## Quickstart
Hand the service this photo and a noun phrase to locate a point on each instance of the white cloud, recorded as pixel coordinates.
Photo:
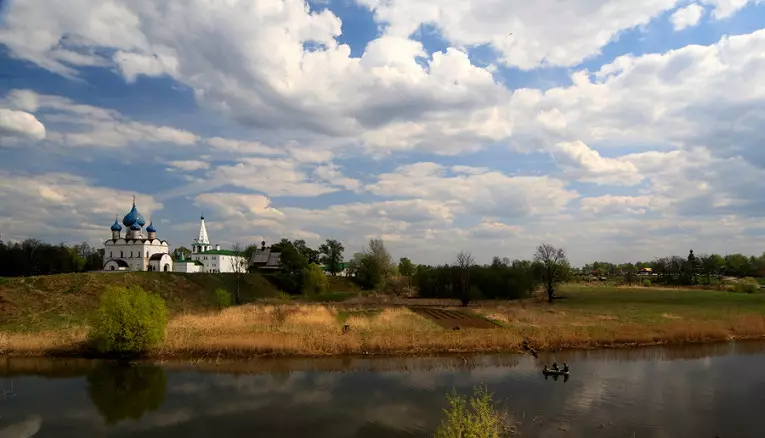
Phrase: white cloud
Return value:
(274, 177)
(610, 204)
(476, 192)
(97, 127)
(544, 32)
(58, 206)
(243, 147)
(726, 8)
(687, 17)
(586, 164)
(189, 165)
(20, 124)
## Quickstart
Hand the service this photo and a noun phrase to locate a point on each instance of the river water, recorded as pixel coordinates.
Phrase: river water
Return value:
(691, 391)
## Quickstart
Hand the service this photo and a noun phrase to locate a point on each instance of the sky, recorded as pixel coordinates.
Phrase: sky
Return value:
(615, 129)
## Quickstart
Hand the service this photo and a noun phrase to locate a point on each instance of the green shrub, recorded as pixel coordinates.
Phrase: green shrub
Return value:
(474, 418)
(314, 280)
(129, 320)
(646, 283)
(222, 298)
(746, 285)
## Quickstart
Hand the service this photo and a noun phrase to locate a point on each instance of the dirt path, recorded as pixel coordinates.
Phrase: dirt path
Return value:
(453, 319)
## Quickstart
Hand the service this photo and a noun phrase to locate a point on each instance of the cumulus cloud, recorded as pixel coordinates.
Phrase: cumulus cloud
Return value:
(20, 124)
(609, 204)
(680, 132)
(540, 34)
(476, 191)
(59, 206)
(687, 17)
(188, 165)
(586, 164)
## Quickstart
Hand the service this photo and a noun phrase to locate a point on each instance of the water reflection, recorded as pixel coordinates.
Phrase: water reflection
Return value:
(122, 391)
(653, 392)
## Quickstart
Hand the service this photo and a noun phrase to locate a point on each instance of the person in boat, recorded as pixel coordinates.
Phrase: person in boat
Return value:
(555, 366)
(565, 367)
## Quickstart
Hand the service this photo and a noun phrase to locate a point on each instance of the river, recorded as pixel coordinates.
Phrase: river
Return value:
(704, 390)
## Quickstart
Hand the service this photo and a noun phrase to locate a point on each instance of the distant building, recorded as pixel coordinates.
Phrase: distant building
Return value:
(645, 271)
(264, 259)
(206, 258)
(135, 251)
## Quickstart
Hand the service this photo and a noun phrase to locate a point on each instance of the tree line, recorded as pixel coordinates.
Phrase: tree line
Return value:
(502, 279)
(692, 269)
(34, 257)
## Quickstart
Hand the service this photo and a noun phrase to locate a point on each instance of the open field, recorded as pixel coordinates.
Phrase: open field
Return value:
(66, 300)
(585, 317)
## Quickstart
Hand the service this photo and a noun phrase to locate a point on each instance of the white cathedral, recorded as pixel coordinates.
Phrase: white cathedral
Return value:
(134, 251)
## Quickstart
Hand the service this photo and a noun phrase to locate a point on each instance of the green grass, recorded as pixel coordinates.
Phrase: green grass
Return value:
(644, 305)
(55, 301)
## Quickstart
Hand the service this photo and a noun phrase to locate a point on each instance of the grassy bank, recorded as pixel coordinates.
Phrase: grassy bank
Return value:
(585, 317)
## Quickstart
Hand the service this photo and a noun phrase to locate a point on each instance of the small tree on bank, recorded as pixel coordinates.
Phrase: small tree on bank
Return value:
(315, 282)
(554, 266)
(128, 321)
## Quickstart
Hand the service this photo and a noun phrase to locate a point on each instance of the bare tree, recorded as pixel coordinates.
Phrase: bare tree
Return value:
(239, 266)
(554, 265)
(464, 261)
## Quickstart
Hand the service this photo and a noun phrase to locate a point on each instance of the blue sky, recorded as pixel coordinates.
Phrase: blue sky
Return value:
(434, 129)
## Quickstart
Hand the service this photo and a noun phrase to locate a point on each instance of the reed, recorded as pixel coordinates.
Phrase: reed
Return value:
(597, 317)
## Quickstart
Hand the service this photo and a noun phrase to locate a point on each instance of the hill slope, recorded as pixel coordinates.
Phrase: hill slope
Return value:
(55, 300)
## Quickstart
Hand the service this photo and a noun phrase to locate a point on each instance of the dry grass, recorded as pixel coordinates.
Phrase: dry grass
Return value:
(588, 317)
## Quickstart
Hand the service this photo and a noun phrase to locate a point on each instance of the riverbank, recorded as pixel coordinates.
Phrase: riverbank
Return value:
(587, 317)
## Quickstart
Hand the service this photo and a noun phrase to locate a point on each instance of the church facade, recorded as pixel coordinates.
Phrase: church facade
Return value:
(206, 258)
(134, 250)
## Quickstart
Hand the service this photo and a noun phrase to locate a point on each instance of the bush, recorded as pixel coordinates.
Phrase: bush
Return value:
(646, 283)
(476, 418)
(222, 298)
(746, 285)
(129, 320)
(315, 282)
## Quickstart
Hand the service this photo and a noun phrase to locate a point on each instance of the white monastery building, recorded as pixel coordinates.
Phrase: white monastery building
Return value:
(205, 258)
(135, 251)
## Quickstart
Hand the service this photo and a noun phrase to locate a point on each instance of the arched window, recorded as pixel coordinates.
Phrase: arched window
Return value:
(112, 267)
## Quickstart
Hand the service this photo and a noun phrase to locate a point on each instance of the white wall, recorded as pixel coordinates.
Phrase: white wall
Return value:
(186, 267)
(218, 263)
(135, 253)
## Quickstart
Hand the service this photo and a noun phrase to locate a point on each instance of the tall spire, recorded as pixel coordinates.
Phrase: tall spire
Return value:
(202, 239)
(133, 200)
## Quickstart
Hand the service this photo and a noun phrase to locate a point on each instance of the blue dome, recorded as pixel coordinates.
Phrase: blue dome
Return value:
(116, 226)
(133, 217)
(135, 226)
(151, 228)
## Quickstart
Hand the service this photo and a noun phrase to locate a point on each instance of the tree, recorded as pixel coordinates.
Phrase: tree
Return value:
(405, 267)
(332, 255)
(711, 264)
(372, 267)
(465, 261)
(315, 282)
(311, 255)
(554, 265)
(239, 266)
(292, 266)
(181, 251)
(692, 267)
